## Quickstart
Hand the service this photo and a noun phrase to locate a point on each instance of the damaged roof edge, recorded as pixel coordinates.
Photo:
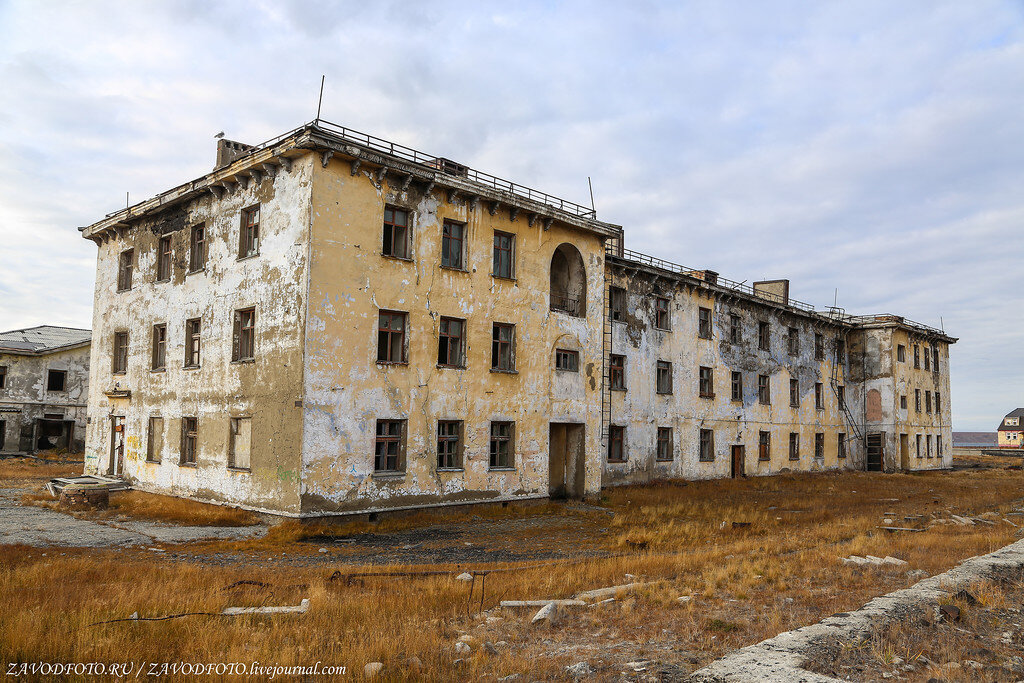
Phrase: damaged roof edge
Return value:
(360, 148)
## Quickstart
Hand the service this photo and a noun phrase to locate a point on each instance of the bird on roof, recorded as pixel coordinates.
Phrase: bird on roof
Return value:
(219, 135)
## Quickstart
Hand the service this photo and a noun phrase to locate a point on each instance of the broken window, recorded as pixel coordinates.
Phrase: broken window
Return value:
(56, 380)
(159, 347)
(819, 346)
(793, 341)
(764, 445)
(663, 377)
(616, 443)
(764, 394)
(704, 323)
(706, 383)
(735, 329)
(901, 353)
(794, 446)
(449, 444)
(197, 249)
(927, 359)
(504, 255)
(567, 360)
(935, 359)
(841, 446)
(928, 445)
(189, 431)
(841, 396)
(502, 434)
(249, 242)
(450, 345)
(840, 351)
(903, 401)
(617, 303)
(917, 400)
(240, 446)
(737, 386)
(396, 240)
(452, 241)
(819, 396)
(819, 446)
(661, 317)
(763, 336)
(706, 448)
(391, 337)
(664, 450)
(938, 403)
(155, 440)
(927, 401)
(503, 339)
(244, 346)
(568, 281)
(126, 264)
(920, 452)
(3, 376)
(390, 446)
(794, 393)
(120, 359)
(193, 331)
(917, 357)
(617, 372)
(163, 259)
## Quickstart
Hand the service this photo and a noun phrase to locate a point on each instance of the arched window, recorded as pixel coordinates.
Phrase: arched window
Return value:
(568, 281)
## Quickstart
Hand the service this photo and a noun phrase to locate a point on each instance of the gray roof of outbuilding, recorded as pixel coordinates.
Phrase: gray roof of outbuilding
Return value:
(43, 339)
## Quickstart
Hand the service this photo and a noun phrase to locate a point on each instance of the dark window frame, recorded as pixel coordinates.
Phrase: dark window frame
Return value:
(737, 385)
(617, 304)
(390, 245)
(125, 270)
(496, 442)
(158, 359)
(665, 447)
(617, 371)
(901, 353)
(735, 329)
(662, 316)
(704, 322)
(764, 446)
(151, 455)
(819, 396)
(392, 341)
(189, 441)
(819, 346)
(452, 245)
(119, 362)
(451, 344)
(503, 347)
(841, 446)
(197, 249)
(3, 376)
(567, 360)
(249, 232)
(663, 378)
(243, 347)
(164, 258)
(794, 445)
(706, 445)
(794, 393)
(706, 382)
(764, 390)
(793, 341)
(449, 444)
(193, 342)
(764, 335)
(389, 446)
(819, 446)
(616, 444)
(504, 244)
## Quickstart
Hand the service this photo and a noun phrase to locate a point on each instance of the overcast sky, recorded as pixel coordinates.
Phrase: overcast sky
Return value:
(873, 147)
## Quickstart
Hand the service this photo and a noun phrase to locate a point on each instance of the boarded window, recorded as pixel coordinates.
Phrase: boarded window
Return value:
(617, 372)
(568, 360)
(737, 386)
(163, 259)
(502, 440)
(193, 339)
(819, 346)
(704, 323)
(706, 383)
(451, 343)
(189, 434)
(155, 440)
(389, 449)
(159, 360)
(819, 446)
(764, 445)
(244, 346)
(794, 393)
(240, 445)
(819, 395)
(665, 447)
(706, 448)
(794, 446)
(841, 447)
(617, 303)
(793, 341)
(197, 249)
(452, 241)
(396, 240)
(663, 377)
(764, 394)
(56, 380)
(126, 264)
(120, 360)
(391, 337)
(449, 444)
(662, 321)
(249, 242)
(504, 255)
(616, 443)
(763, 336)
(503, 339)
(735, 329)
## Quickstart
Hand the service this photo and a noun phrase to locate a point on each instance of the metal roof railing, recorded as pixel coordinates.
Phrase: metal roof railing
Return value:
(882, 318)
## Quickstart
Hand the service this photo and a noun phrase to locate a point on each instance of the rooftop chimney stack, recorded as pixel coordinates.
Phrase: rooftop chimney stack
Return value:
(228, 151)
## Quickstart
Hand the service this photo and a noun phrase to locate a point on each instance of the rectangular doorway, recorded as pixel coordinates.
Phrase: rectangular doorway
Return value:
(738, 457)
(875, 452)
(116, 461)
(566, 462)
(904, 452)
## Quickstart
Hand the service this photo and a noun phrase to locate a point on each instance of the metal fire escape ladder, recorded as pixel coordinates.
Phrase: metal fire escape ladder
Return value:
(858, 434)
(606, 353)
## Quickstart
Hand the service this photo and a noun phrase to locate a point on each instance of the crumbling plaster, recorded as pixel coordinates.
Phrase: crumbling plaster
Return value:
(25, 399)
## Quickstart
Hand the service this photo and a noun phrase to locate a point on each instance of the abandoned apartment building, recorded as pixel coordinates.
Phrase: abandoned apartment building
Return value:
(330, 322)
(44, 389)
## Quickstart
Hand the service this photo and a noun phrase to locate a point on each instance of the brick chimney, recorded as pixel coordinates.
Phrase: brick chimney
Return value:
(229, 150)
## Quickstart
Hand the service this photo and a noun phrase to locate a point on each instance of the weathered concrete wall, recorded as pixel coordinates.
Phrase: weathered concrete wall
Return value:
(268, 390)
(24, 398)
(347, 390)
(642, 410)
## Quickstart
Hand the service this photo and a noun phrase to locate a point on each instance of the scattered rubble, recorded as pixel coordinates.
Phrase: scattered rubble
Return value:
(301, 608)
(871, 559)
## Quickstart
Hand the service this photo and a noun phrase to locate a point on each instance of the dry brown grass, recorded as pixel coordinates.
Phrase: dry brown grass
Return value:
(749, 583)
(16, 470)
(154, 508)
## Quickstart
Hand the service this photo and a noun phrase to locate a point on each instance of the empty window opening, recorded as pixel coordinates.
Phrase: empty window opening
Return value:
(567, 360)
(396, 240)
(927, 359)
(56, 380)
(617, 303)
(927, 401)
(920, 451)
(935, 359)
(841, 396)
(240, 445)
(389, 448)
(841, 446)
(568, 282)
(903, 401)
(453, 238)
(928, 445)
(665, 447)
(938, 403)
(449, 444)
(451, 343)
(502, 435)
(391, 337)
(249, 241)
(819, 346)
(3, 376)
(917, 400)
(503, 339)
(244, 346)
(661, 316)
